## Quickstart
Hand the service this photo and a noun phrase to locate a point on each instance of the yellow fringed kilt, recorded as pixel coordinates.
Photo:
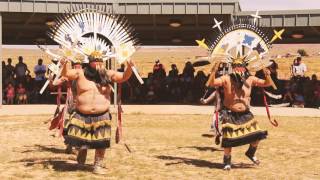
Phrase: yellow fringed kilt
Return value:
(92, 131)
(240, 128)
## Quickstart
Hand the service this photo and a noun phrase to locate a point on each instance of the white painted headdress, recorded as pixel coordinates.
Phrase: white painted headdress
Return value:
(241, 42)
(94, 34)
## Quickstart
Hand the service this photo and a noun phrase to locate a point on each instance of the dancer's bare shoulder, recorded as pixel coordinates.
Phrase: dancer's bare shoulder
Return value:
(73, 74)
(255, 81)
(222, 80)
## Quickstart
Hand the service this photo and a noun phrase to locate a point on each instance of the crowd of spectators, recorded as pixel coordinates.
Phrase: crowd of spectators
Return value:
(19, 87)
(189, 86)
(160, 88)
(299, 91)
(165, 86)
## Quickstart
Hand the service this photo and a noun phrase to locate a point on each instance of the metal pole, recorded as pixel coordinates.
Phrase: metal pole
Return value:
(1, 59)
(112, 66)
(115, 93)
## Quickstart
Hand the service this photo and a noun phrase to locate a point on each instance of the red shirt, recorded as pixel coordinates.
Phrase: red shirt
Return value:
(10, 92)
(21, 90)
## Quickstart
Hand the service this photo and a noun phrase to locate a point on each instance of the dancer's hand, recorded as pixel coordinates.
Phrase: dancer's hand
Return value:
(203, 101)
(269, 80)
(130, 62)
(266, 72)
(215, 66)
(64, 61)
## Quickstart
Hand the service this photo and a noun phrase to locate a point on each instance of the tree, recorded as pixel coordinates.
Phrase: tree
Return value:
(302, 52)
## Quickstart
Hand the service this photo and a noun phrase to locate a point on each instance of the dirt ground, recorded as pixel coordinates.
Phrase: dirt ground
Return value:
(162, 147)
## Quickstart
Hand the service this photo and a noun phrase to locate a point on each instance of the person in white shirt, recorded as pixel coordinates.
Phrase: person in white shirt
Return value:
(298, 68)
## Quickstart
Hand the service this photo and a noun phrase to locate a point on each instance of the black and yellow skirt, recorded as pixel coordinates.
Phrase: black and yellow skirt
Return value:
(91, 131)
(240, 128)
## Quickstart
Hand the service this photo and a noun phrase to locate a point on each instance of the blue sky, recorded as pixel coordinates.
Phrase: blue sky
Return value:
(253, 5)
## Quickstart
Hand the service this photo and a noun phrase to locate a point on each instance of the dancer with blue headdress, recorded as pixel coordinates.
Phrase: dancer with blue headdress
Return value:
(243, 48)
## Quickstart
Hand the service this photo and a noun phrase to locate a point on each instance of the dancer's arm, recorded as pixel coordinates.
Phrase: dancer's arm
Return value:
(213, 81)
(264, 82)
(60, 81)
(68, 72)
(209, 99)
(121, 77)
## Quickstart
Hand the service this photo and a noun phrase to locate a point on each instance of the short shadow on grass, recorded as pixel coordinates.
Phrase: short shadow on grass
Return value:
(243, 165)
(190, 161)
(41, 148)
(56, 164)
(212, 149)
(207, 135)
(199, 162)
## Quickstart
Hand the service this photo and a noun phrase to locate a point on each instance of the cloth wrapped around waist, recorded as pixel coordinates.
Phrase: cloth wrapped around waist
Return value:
(239, 128)
(90, 121)
(88, 130)
(236, 120)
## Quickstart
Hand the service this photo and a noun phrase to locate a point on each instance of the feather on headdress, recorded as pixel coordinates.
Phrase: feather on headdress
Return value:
(93, 35)
(243, 42)
(89, 32)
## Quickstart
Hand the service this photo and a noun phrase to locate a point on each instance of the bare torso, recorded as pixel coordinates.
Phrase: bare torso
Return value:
(90, 98)
(237, 100)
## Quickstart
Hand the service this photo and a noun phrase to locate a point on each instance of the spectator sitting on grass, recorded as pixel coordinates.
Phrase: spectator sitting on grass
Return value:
(199, 84)
(160, 74)
(158, 70)
(156, 66)
(173, 84)
(10, 94)
(314, 81)
(188, 72)
(288, 93)
(29, 89)
(174, 72)
(151, 96)
(21, 94)
(298, 100)
(188, 77)
(316, 96)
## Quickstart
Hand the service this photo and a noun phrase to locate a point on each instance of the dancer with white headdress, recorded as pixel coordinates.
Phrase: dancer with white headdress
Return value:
(98, 37)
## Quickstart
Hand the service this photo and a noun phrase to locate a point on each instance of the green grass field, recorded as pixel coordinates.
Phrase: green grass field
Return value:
(162, 147)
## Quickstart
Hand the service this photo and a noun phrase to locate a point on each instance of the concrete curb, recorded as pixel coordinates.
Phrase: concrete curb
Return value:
(24, 110)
